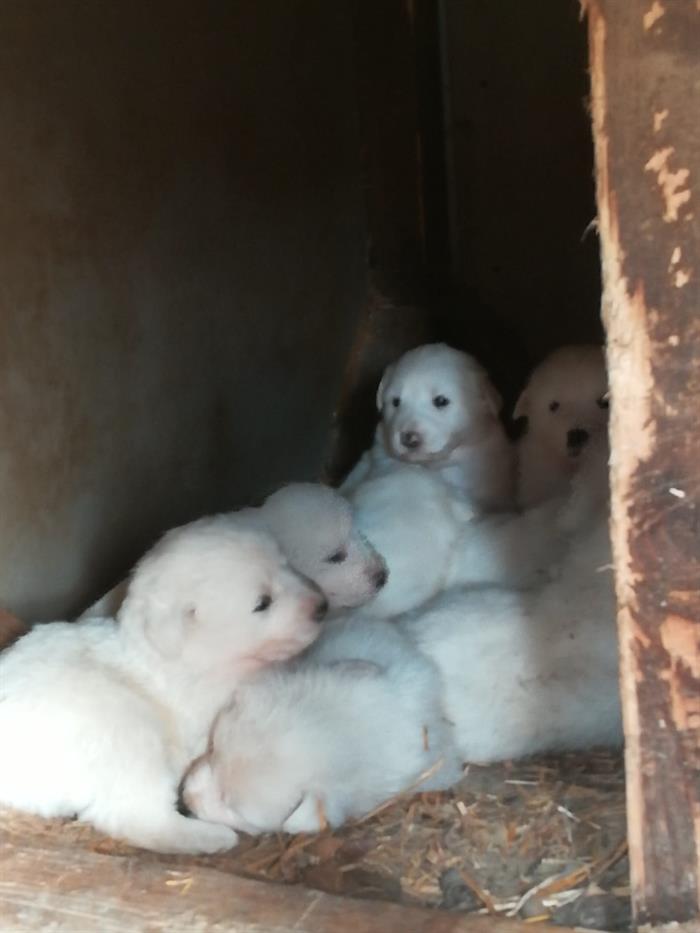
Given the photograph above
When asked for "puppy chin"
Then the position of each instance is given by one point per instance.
(277, 650)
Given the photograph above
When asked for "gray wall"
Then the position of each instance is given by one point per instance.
(181, 269)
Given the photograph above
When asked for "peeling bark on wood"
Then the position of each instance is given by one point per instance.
(66, 891)
(645, 80)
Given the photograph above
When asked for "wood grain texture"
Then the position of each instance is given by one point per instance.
(72, 891)
(645, 74)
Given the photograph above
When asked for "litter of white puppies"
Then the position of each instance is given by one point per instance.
(205, 670)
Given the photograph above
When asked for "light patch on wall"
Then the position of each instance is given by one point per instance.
(654, 13)
(659, 119)
(681, 277)
(673, 185)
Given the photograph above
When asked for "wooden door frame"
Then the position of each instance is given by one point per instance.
(645, 89)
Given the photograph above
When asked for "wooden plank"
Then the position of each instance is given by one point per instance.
(645, 73)
(74, 891)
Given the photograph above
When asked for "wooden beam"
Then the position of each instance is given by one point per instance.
(69, 890)
(645, 79)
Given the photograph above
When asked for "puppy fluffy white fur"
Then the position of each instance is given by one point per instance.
(534, 671)
(355, 723)
(566, 405)
(99, 719)
(439, 410)
(414, 519)
(315, 528)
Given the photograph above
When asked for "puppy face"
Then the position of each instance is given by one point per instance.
(566, 401)
(314, 526)
(433, 400)
(252, 777)
(217, 596)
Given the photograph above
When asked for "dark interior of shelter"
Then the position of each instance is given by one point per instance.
(222, 220)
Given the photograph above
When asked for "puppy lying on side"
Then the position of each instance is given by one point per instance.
(315, 528)
(99, 719)
(327, 739)
(566, 405)
(439, 410)
(527, 672)
(414, 519)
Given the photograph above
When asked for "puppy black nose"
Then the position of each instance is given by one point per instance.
(576, 438)
(321, 610)
(410, 439)
(380, 578)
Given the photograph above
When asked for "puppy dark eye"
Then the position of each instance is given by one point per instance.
(440, 401)
(396, 401)
(553, 406)
(263, 603)
(603, 402)
(337, 557)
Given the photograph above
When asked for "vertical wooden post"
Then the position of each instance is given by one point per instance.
(645, 77)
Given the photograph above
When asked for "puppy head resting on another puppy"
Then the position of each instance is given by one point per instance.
(238, 782)
(315, 527)
(566, 401)
(434, 400)
(219, 595)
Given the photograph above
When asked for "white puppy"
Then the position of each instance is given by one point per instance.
(439, 410)
(414, 519)
(315, 528)
(528, 672)
(99, 719)
(326, 740)
(566, 404)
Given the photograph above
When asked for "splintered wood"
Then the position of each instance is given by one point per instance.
(525, 840)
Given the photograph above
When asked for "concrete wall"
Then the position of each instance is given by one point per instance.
(181, 268)
(521, 156)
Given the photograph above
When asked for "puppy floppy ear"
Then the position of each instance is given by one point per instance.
(522, 406)
(164, 625)
(388, 373)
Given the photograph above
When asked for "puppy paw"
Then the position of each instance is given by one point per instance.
(211, 838)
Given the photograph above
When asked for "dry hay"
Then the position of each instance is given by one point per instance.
(524, 839)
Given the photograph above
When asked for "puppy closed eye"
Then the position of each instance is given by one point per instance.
(554, 406)
(440, 401)
(263, 603)
(337, 557)
(603, 402)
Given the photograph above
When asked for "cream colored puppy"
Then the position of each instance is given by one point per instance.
(439, 410)
(99, 719)
(353, 724)
(316, 530)
(566, 405)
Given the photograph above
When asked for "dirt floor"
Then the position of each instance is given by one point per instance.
(542, 840)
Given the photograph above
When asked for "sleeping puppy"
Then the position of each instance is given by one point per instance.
(439, 410)
(315, 528)
(414, 519)
(99, 718)
(566, 405)
(328, 739)
(535, 671)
